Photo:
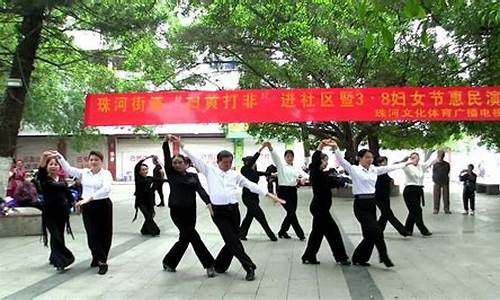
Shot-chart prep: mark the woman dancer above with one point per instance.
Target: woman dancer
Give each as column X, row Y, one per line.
column 413, row 193
column 55, row 212
column 288, row 178
column 145, row 197
column 383, row 200
column 323, row 224
column 96, row 207
column 364, row 177
column 251, row 200
column 182, row 203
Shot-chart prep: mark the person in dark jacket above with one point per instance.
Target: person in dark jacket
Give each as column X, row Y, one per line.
column 55, row 212
column 383, row 200
column 145, row 198
column 323, row 224
column 441, row 179
column 182, row 203
column 468, row 177
column 251, row 200
column 158, row 175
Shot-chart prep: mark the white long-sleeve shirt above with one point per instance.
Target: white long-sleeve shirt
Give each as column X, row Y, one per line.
column 97, row 186
column 363, row 180
column 223, row 185
column 287, row 174
column 415, row 174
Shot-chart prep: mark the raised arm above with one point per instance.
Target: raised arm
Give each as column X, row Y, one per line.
column 276, row 159
column 200, row 164
column 386, row 169
column 167, row 156
column 72, row 171
column 429, row 163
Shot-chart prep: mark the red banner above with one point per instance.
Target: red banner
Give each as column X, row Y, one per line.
column 295, row 105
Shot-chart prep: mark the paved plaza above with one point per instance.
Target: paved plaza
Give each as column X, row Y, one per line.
column 460, row 261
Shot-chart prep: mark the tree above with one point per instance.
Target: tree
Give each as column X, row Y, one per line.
column 288, row 44
column 37, row 47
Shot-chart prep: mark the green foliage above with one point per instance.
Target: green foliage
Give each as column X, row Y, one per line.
column 64, row 73
column 287, row 44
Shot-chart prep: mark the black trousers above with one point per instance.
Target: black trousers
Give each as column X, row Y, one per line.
column 158, row 187
column 149, row 227
column 185, row 220
column 227, row 220
column 366, row 214
column 271, row 186
column 98, row 222
column 386, row 215
column 469, row 196
column 254, row 211
column 60, row 255
column 289, row 194
column 412, row 195
column 323, row 225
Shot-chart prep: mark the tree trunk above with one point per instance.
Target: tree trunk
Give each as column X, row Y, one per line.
column 350, row 148
column 373, row 144
column 306, row 145
column 11, row 110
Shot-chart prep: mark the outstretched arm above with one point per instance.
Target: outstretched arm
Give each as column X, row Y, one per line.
column 200, row 164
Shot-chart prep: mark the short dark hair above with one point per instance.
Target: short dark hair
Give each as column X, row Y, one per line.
column 472, row 166
column 224, row 154
column 362, row 152
column 380, row 159
column 96, row 153
column 289, row 152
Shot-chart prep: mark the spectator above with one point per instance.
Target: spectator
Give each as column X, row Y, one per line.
column 469, row 194
column 441, row 178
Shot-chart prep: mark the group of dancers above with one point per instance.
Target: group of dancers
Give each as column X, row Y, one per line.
column 370, row 186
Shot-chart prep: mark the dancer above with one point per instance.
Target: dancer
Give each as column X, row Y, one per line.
column 55, row 212
column 383, row 200
column 469, row 194
column 251, row 200
column 222, row 184
column 182, row 203
column 364, row 177
column 288, row 178
column 145, row 197
column 413, row 193
column 323, row 224
column 96, row 207
column 158, row 175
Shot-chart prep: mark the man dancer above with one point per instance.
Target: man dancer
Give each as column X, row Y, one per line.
column 222, row 184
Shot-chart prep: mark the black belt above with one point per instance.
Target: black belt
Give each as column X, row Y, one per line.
column 364, row 196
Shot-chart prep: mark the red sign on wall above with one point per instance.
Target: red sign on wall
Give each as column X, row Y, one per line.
column 295, row 105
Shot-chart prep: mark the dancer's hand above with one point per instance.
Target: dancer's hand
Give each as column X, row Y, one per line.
column 276, row 199
column 210, row 209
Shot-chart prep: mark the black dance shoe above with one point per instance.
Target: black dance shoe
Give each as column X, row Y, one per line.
column 387, row 262
column 94, row 263
column 273, row 238
column 168, row 268
column 284, row 235
column 211, row 272
column 302, row 238
column 103, row 269
column 344, row 262
column 243, row 238
column 359, row 263
column 310, row 261
column 427, row 233
column 250, row 275
column 161, row 204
